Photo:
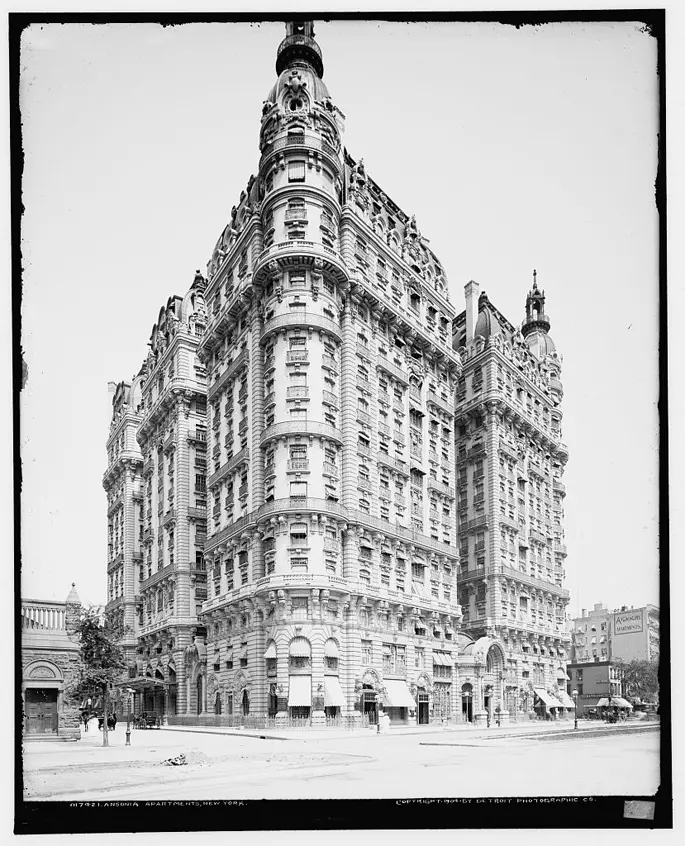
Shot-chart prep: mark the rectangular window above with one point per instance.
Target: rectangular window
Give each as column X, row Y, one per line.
column 296, row 171
column 298, row 489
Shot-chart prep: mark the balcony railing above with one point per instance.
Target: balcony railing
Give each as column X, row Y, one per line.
column 330, row 398
column 363, row 483
column 297, row 392
column 301, row 427
column 298, row 464
column 392, row 369
column 304, row 319
column 329, row 363
column 296, row 356
column 296, row 214
column 442, row 402
column 364, row 417
column 197, row 513
column 330, row 470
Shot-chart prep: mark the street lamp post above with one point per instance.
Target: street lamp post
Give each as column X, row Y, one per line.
column 575, row 713
column 129, row 691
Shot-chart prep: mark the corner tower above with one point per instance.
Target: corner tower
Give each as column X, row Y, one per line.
column 331, row 539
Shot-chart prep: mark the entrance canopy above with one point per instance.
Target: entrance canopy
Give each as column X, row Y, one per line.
column 300, row 691
column 332, row 693
column 141, row 682
column 398, row 695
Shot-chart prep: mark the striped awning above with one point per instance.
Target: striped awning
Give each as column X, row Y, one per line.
column 565, row 699
column 332, row 693
column 270, row 650
column 300, row 647
column 397, row 695
column 300, row 691
column 547, row 698
column 330, row 649
column 442, row 659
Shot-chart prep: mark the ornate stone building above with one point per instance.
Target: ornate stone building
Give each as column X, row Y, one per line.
column 156, row 489
column 50, row 663
column 332, row 358
column 510, row 463
column 331, row 550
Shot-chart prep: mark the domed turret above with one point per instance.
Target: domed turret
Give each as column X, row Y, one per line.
column 536, row 326
column 299, row 65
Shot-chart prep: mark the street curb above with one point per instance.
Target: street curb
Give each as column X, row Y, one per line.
column 200, row 730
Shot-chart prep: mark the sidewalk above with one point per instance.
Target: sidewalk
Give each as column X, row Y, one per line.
column 530, row 727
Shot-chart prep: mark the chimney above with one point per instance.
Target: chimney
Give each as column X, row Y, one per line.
column 583, row 613
column 471, row 290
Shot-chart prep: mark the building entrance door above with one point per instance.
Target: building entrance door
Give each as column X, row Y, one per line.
column 369, row 706
column 423, row 709
column 41, row 711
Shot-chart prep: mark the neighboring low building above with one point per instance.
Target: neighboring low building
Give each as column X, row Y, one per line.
column 49, row 660
column 594, row 681
column 623, row 634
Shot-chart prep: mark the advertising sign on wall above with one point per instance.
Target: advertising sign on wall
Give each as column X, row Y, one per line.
column 628, row 622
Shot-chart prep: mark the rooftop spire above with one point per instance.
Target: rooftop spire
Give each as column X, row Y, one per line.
column 299, row 44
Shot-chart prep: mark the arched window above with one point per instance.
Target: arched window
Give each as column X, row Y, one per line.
column 300, row 653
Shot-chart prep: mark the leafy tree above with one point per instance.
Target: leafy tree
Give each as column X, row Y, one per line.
column 640, row 679
column 102, row 660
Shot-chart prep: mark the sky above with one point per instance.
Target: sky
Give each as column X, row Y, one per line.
column 515, row 149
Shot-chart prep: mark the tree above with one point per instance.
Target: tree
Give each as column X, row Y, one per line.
column 102, row 661
column 640, row 679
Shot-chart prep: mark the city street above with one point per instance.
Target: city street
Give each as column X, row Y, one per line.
column 435, row 763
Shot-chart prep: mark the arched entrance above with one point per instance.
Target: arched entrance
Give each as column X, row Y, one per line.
column 467, row 702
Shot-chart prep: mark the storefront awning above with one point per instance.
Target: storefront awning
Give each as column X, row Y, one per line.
column 397, row 695
column 547, row 698
column 270, row 651
column 330, row 649
column 332, row 693
column 300, row 691
column 616, row 702
column 565, row 699
column 442, row 659
column 561, row 675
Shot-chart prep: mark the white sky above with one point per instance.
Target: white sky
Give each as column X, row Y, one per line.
column 514, row 149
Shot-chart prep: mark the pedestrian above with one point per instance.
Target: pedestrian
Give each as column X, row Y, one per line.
column 85, row 716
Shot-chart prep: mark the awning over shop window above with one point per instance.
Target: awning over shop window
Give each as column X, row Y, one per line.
column 561, row 675
column 547, row 698
column 616, row 702
column 300, row 691
column 330, row 649
column 243, row 653
column 398, row 695
column 332, row 693
column 300, row 647
column 565, row 699
column 270, row 651
column 442, row 659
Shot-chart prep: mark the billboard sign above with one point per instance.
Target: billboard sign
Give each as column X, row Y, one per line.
column 628, row 622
